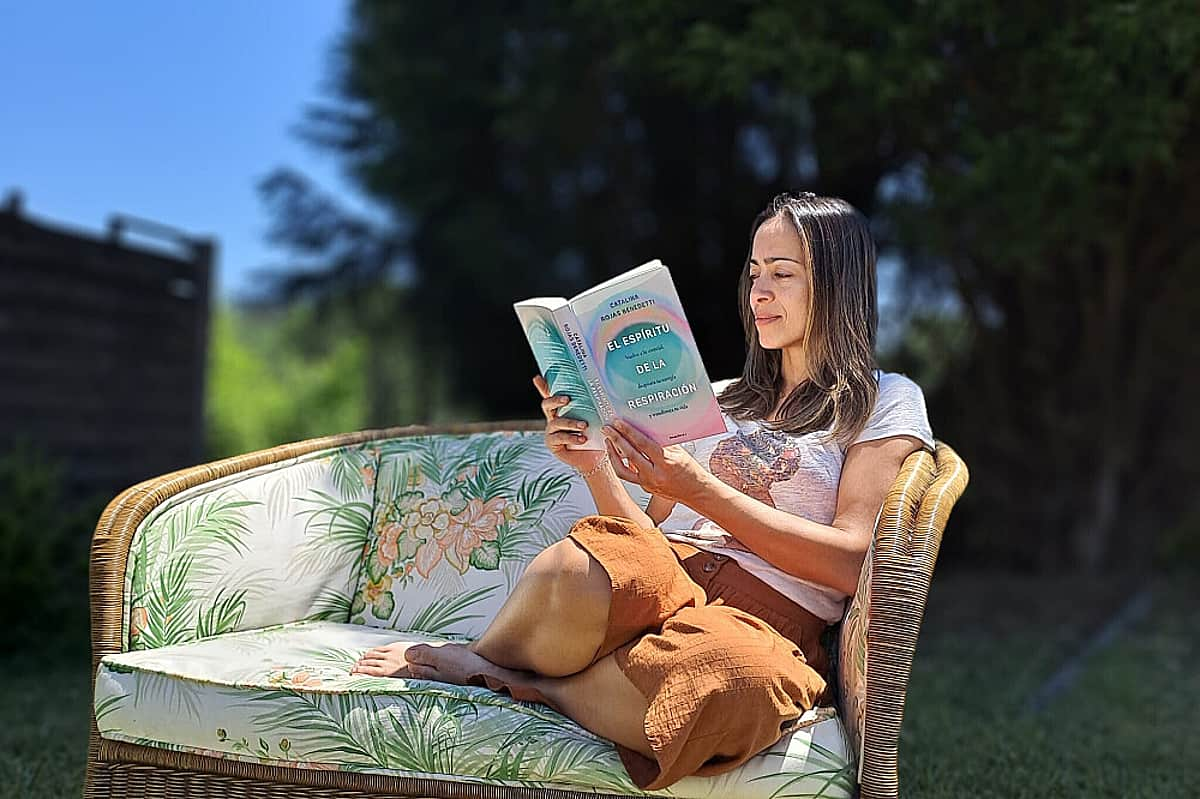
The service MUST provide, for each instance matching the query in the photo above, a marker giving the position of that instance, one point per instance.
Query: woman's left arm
(830, 554)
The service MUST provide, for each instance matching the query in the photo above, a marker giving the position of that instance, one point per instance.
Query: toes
(421, 672)
(419, 653)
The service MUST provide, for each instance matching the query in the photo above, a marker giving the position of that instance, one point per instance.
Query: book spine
(572, 332)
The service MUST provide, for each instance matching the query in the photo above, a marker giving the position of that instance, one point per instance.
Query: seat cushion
(284, 696)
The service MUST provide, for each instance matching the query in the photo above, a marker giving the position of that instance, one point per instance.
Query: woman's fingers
(641, 442)
(542, 386)
(565, 423)
(627, 450)
(551, 405)
(622, 471)
(565, 438)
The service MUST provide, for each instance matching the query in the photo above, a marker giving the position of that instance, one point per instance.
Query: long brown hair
(843, 316)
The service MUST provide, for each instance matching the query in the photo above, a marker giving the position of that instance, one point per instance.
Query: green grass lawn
(45, 704)
(1126, 728)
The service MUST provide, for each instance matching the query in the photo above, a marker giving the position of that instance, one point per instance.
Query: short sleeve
(899, 411)
(720, 385)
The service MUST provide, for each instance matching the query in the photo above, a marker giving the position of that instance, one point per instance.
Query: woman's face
(779, 285)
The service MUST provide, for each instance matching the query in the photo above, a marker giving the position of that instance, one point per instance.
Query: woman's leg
(552, 623)
(600, 698)
(556, 618)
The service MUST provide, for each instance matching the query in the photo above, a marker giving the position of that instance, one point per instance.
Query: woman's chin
(768, 343)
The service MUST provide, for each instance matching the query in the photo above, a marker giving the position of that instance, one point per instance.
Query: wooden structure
(103, 348)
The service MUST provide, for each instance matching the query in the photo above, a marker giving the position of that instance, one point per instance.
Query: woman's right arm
(612, 498)
(608, 492)
(659, 508)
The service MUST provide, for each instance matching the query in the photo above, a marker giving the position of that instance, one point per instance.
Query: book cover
(559, 350)
(633, 351)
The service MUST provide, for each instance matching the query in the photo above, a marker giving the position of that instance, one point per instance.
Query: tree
(1045, 166)
(1034, 168)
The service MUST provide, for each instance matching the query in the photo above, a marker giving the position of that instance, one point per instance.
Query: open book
(624, 349)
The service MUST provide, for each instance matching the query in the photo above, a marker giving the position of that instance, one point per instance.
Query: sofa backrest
(268, 545)
(457, 518)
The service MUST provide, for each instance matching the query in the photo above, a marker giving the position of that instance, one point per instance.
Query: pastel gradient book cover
(624, 349)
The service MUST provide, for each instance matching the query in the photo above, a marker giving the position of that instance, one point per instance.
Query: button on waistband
(709, 567)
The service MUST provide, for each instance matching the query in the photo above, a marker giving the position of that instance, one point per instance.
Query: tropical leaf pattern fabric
(457, 519)
(248, 598)
(261, 547)
(283, 695)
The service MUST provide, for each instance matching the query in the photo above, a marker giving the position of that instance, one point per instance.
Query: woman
(689, 632)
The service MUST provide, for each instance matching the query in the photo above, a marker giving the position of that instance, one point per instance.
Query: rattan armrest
(905, 553)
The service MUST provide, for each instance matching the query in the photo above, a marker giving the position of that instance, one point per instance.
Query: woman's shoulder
(899, 410)
(897, 387)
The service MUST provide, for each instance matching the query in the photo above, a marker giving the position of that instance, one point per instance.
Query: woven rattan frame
(906, 542)
(907, 538)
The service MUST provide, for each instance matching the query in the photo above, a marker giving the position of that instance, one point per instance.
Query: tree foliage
(1033, 168)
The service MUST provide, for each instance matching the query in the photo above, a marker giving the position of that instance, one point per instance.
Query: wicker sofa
(229, 600)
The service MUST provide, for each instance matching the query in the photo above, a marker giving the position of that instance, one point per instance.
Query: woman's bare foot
(457, 664)
(450, 663)
(384, 661)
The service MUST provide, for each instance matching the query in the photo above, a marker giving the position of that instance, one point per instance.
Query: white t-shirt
(797, 474)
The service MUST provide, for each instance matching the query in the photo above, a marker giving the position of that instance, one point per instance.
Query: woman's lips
(762, 320)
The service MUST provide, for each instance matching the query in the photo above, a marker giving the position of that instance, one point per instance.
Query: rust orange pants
(725, 662)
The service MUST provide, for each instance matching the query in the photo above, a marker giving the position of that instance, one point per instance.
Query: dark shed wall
(102, 352)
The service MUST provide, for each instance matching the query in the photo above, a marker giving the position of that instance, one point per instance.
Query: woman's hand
(669, 472)
(562, 432)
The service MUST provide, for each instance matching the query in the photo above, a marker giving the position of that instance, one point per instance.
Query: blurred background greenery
(1032, 175)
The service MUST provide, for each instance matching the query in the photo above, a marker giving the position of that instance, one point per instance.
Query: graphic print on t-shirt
(753, 462)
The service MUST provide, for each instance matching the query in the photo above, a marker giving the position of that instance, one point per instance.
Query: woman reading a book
(689, 631)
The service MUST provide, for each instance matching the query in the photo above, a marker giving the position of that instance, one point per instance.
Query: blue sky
(168, 110)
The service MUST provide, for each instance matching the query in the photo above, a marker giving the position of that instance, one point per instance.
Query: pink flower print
(299, 679)
(368, 475)
(389, 543)
(467, 472)
(476, 524)
(427, 523)
(138, 619)
(304, 679)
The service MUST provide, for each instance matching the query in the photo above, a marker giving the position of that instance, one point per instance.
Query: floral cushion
(284, 696)
(456, 521)
(265, 546)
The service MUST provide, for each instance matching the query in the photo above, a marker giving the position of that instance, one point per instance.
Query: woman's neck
(793, 372)
(793, 369)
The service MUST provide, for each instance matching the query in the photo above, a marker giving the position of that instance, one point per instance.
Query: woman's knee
(564, 571)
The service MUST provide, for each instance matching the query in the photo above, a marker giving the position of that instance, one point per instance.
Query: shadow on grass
(1125, 728)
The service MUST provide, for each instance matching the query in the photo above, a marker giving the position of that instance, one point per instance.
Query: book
(623, 349)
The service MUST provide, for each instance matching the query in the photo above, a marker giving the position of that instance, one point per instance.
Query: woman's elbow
(852, 560)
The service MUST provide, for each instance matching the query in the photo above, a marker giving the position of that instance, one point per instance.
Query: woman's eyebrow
(776, 258)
